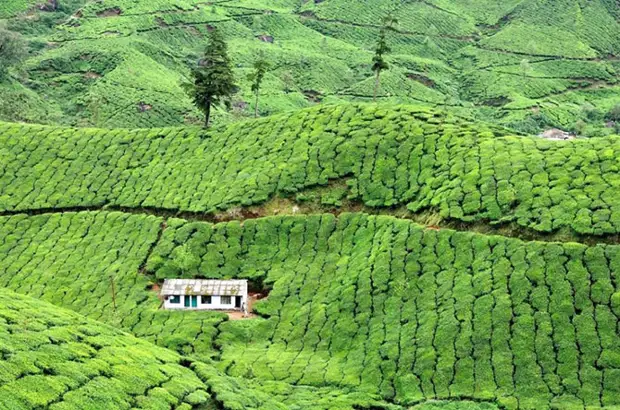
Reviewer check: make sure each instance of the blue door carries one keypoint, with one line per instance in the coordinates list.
(186, 302)
(194, 301)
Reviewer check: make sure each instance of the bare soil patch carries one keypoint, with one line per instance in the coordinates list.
(252, 298)
(143, 107)
(113, 12)
(265, 38)
(91, 75)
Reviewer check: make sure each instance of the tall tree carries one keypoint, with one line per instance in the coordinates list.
(378, 61)
(214, 81)
(12, 50)
(261, 66)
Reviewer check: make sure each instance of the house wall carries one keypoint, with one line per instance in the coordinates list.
(216, 303)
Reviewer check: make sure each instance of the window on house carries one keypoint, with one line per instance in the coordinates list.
(225, 300)
(175, 299)
(205, 299)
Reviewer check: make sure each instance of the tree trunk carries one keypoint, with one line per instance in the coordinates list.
(207, 113)
(377, 83)
(113, 292)
(256, 106)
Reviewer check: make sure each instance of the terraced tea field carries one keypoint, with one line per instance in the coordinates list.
(384, 157)
(118, 63)
(425, 252)
(363, 311)
(52, 358)
(379, 305)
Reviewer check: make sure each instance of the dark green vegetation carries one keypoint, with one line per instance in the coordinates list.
(55, 359)
(119, 63)
(388, 157)
(213, 79)
(360, 306)
(337, 214)
(71, 260)
(387, 307)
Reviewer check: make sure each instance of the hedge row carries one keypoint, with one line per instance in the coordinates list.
(386, 307)
(55, 359)
(396, 156)
(69, 260)
(360, 304)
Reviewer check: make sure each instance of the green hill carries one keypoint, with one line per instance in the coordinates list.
(382, 158)
(361, 307)
(55, 359)
(363, 311)
(118, 63)
(72, 260)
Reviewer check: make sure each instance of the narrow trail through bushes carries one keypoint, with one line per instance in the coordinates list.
(278, 206)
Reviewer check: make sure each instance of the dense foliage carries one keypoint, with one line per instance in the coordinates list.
(355, 311)
(55, 359)
(388, 307)
(389, 156)
(213, 79)
(359, 306)
(72, 260)
(120, 63)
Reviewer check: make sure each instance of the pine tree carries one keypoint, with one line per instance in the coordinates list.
(378, 61)
(261, 66)
(214, 82)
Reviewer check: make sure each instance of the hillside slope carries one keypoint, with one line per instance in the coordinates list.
(119, 63)
(385, 306)
(392, 156)
(361, 308)
(58, 360)
(55, 359)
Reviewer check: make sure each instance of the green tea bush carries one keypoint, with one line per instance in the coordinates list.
(359, 308)
(387, 155)
(384, 306)
(324, 54)
(73, 259)
(58, 360)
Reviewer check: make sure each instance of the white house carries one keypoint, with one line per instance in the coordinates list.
(202, 294)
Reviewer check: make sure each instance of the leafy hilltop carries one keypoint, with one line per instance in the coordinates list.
(363, 311)
(55, 359)
(381, 157)
(117, 63)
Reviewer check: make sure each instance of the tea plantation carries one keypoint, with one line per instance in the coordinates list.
(120, 63)
(415, 233)
(386, 157)
(56, 359)
(363, 309)
(72, 260)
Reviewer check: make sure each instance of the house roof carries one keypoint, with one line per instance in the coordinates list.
(204, 287)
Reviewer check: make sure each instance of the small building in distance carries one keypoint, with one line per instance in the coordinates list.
(205, 294)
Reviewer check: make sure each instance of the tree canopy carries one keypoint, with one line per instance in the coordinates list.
(214, 81)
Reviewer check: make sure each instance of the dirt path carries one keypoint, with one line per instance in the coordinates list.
(252, 298)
